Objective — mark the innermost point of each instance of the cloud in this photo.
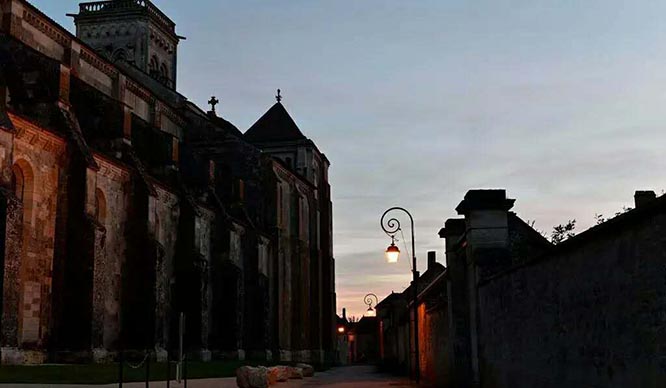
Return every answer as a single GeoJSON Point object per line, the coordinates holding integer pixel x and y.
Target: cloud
{"type": "Point", "coordinates": [561, 103]}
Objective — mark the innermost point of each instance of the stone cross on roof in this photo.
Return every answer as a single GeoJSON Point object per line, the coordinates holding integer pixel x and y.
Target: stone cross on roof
{"type": "Point", "coordinates": [278, 97]}
{"type": "Point", "coordinates": [213, 101]}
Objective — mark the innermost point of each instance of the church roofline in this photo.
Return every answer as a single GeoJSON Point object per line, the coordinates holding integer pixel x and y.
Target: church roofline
{"type": "Point", "coordinates": [66, 39]}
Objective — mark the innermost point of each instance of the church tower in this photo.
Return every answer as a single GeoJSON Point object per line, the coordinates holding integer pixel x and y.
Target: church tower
{"type": "Point", "coordinates": [276, 134]}
{"type": "Point", "coordinates": [131, 31]}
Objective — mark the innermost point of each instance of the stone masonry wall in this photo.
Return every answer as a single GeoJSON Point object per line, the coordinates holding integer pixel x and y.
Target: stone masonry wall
{"type": "Point", "coordinates": [590, 315]}
{"type": "Point", "coordinates": [433, 345]}
{"type": "Point", "coordinates": [37, 156]}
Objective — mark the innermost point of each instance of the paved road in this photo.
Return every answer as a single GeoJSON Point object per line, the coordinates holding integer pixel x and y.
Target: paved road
{"type": "Point", "coordinates": [344, 377]}
{"type": "Point", "coordinates": [349, 377]}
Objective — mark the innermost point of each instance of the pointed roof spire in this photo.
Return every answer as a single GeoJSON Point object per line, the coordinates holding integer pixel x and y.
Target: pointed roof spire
{"type": "Point", "coordinates": [278, 97]}
{"type": "Point", "coordinates": [275, 125]}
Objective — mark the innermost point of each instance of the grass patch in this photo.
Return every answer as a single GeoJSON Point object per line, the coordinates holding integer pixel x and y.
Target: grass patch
{"type": "Point", "coordinates": [108, 373]}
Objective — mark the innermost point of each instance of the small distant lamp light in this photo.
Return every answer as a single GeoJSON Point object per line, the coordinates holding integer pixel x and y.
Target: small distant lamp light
{"type": "Point", "coordinates": [371, 312]}
{"type": "Point", "coordinates": [341, 329]}
{"type": "Point", "coordinates": [392, 252]}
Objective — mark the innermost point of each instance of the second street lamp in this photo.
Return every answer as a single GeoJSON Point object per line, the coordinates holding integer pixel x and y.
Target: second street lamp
{"type": "Point", "coordinates": [391, 227]}
{"type": "Point", "coordinates": [368, 300]}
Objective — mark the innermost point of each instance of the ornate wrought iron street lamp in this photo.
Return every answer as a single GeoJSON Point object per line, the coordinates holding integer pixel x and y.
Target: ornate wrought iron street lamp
{"type": "Point", "coordinates": [391, 227]}
{"type": "Point", "coordinates": [369, 300]}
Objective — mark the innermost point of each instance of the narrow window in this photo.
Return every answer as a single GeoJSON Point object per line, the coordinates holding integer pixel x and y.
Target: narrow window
{"type": "Point", "coordinates": [100, 207]}
{"type": "Point", "coordinates": [153, 67]}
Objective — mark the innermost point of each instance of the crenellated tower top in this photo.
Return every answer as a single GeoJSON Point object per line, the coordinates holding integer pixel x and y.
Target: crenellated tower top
{"type": "Point", "coordinates": [133, 31]}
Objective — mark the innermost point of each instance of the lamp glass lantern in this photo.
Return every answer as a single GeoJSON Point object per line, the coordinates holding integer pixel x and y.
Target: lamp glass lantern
{"type": "Point", "coordinates": [392, 252]}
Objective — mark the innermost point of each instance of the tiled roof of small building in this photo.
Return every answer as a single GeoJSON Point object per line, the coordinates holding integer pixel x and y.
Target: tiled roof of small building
{"type": "Point", "coordinates": [274, 125]}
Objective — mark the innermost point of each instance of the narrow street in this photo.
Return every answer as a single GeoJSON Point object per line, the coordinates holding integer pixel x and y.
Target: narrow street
{"type": "Point", "coordinates": [350, 376]}
{"type": "Point", "coordinates": [357, 376]}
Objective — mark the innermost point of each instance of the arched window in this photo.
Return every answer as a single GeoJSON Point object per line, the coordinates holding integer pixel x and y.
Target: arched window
{"type": "Point", "coordinates": [164, 73]}
{"type": "Point", "coordinates": [23, 184]}
{"type": "Point", "coordinates": [100, 207]}
{"type": "Point", "coordinates": [17, 182]}
{"type": "Point", "coordinates": [153, 67]}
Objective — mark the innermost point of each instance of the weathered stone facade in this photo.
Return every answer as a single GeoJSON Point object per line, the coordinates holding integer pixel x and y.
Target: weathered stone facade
{"type": "Point", "coordinates": [123, 205]}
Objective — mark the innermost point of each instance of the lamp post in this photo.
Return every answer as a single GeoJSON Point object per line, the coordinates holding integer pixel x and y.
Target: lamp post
{"type": "Point", "coordinates": [368, 300]}
{"type": "Point", "coordinates": [391, 227]}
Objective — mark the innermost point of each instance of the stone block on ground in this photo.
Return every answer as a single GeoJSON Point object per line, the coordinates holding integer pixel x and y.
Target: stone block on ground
{"type": "Point", "coordinates": [295, 373]}
{"type": "Point", "coordinates": [250, 377]}
{"type": "Point", "coordinates": [308, 370]}
{"type": "Point", "coordinates": [280, 372]}
{"type": "Point", "coordinates": [272, 376]}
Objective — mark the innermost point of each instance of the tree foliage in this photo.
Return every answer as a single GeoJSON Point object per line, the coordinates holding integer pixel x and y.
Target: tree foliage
{"type": "Point", "coordinates": [563, 232]}
{"type": "Point", "coordinates": [600, 219]}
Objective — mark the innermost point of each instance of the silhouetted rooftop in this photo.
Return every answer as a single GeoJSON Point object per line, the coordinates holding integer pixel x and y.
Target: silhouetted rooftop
{"type": "Point", "coordinates": [424, 281]}
{"type": "Point", "coordinates": [367, 325]}
{"type": "Point", "coordinates": [386, 302]}
{"type": "Point", "coordinates": [274, 125]}
{"type": "Point", "coordinates": [222, 123]}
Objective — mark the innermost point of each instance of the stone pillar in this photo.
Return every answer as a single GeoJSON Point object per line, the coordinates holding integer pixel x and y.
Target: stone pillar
{"type": "Point", "coordinates": [11, 231]}
{"type": "Point", "coordinates": [103, 274]}
{"type": "Point", "coordinates": [11, 223]}
{"type": "Point", "coordinates": [486, 220]}
{"type": "Point", "coordinates": [486, 252]}
{"type": "Point", "coordinates": [202, 238]}
{"type": "Point", "coordinates": [100, 273]}
{"type": "Point", "coordinates": [642, 198]}
{"type": "Point", "coordinates": [283, 273]}
{"type": "Point", "coordinates": [458, 303]}
{"type": "Point", "coordinates": [74, 54]}
{"type": "Point", "coordinates": [138, 271]}
{"type": "Point", "coordinates": [161, 276]}
{"type": "Point", "coordinates": [64, 85]}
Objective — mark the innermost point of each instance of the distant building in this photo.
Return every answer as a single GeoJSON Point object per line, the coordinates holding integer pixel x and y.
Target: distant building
{"type": "Point", "coordinates": [364, 341]}
{"type": "Point", "coordinates": [395, 313]}
{"type": "Point", "coordinates": [393, 332]}
{"type": "Point", "coordinates": [342, 334]}
{"type": "Point", "coordinates": [123, 204]}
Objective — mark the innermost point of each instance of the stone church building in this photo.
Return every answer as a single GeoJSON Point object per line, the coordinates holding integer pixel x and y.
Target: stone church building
{"type": "Point", "coordinates": [123, 204]}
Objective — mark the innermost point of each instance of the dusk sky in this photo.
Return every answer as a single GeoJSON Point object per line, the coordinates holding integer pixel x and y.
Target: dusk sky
{"type": "Point", "coordinates": [562, 103]}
